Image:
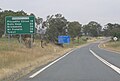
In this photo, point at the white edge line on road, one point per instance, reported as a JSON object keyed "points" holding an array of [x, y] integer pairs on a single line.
{"points": [[38, 72], [106, 62]]}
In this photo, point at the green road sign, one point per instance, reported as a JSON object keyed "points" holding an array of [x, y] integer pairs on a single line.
{"points": [[20, 25]]}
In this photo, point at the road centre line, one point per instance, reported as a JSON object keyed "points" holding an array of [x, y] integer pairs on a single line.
{"points": [[38, 72], [115, 68]]}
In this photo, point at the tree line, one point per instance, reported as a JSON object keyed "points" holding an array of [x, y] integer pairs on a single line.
{"points": [[58, 25]]}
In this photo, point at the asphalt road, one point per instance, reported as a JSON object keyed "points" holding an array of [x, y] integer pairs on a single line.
{"points": [[81, 65]]}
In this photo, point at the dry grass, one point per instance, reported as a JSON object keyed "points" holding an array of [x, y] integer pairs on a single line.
{"points": [[15, 57], [114, 46]]}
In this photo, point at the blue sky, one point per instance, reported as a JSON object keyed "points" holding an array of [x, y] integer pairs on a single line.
{"points": [[102, 11]]}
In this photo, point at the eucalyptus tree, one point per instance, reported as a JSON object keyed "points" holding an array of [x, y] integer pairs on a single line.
{"points": [[92, 29], [74, 29], [56, 27], [112, 30]]}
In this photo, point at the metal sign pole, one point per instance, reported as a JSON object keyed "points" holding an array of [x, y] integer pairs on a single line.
{"points": [[8, 40], [20, 39], [31, 40]]}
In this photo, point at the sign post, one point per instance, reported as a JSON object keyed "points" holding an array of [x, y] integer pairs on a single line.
{"points": [[20, 25], [8, 41], [20, 38], [31, 40]]}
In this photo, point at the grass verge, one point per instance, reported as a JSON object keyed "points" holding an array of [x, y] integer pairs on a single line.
{"points": [[111, 45], [16, 60]]}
